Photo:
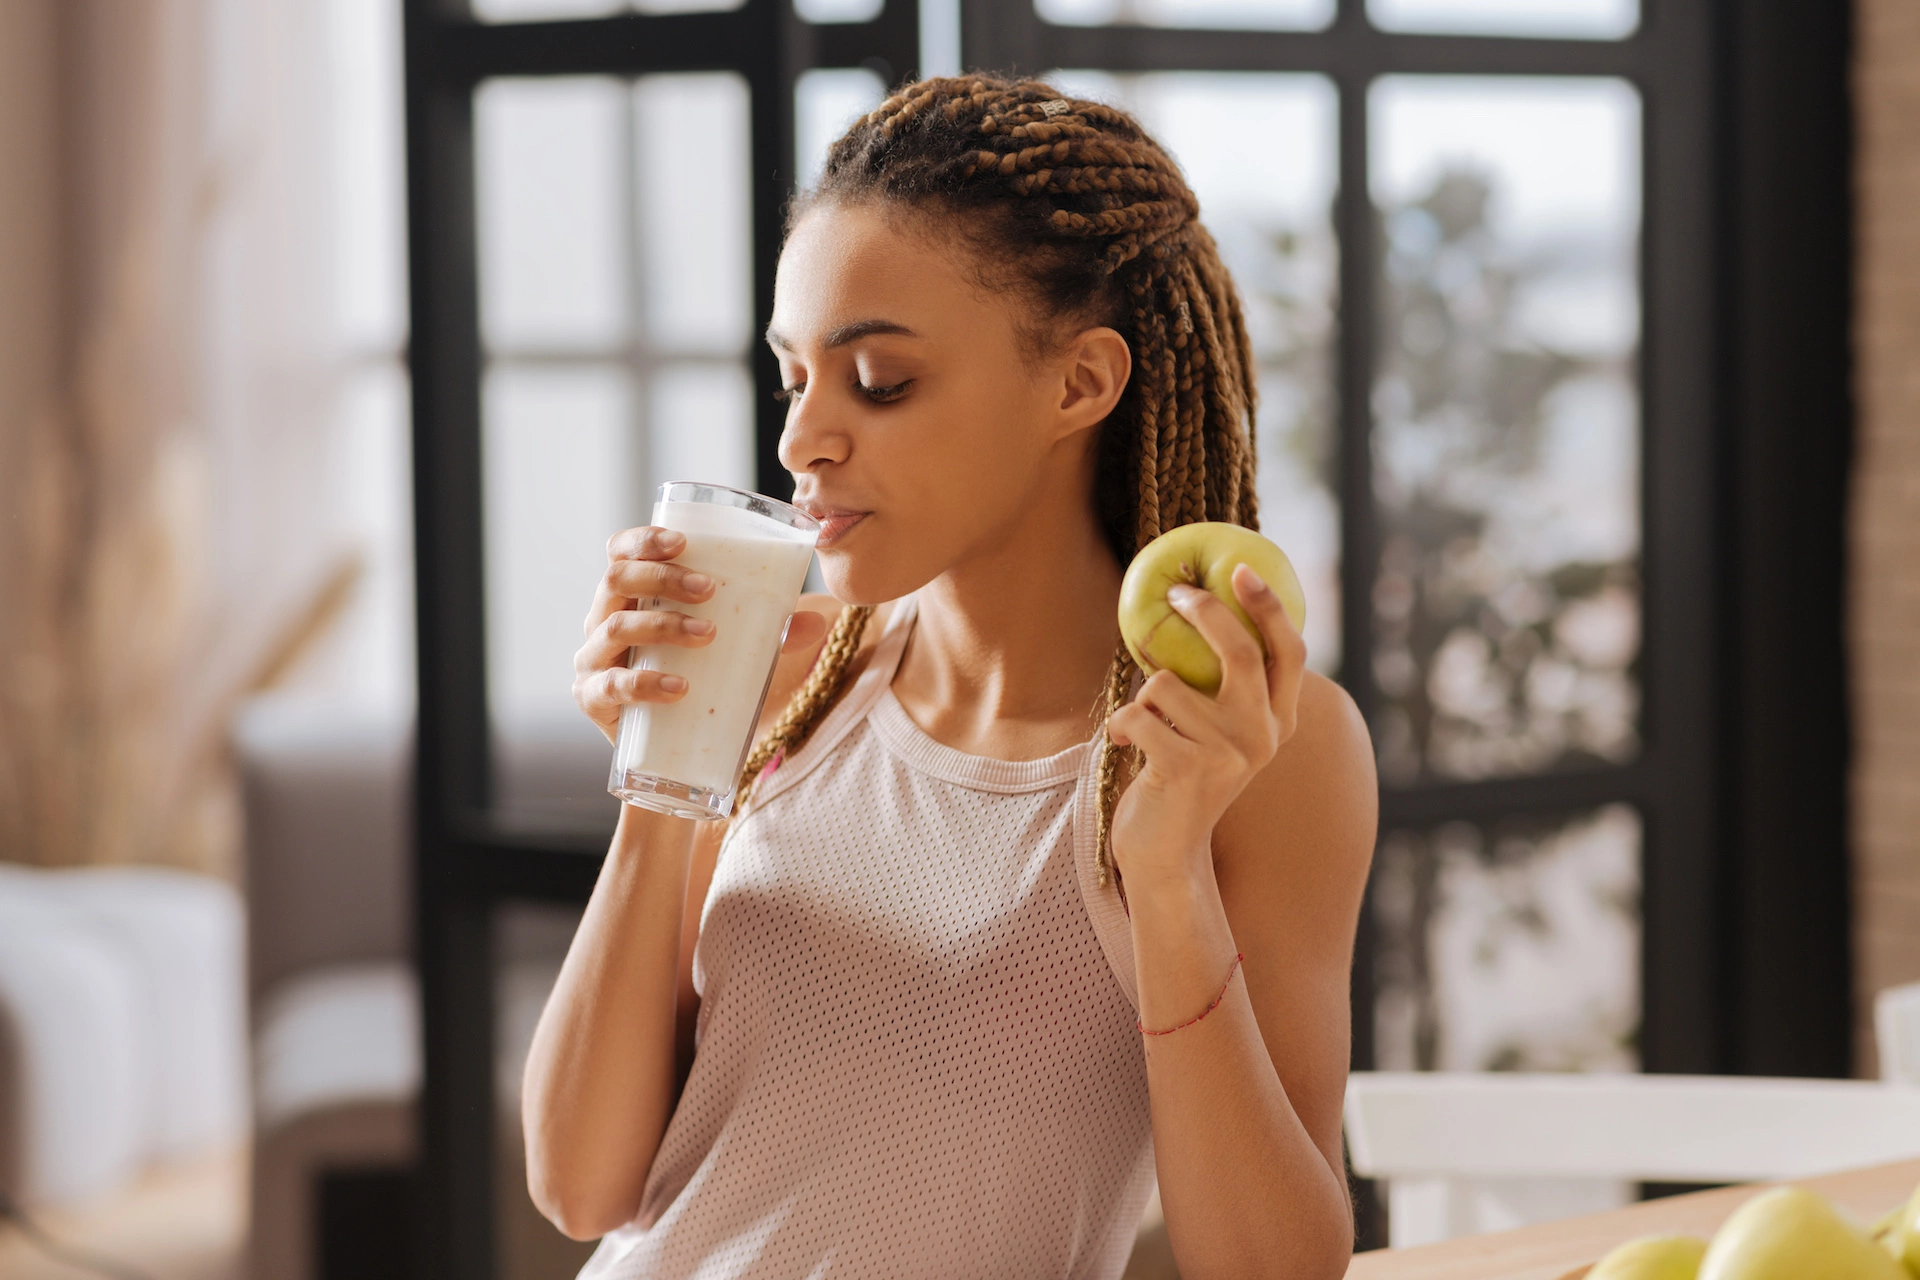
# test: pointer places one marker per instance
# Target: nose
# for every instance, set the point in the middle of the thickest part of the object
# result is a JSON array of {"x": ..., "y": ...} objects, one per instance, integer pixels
[{"x": 811, "y": 438}]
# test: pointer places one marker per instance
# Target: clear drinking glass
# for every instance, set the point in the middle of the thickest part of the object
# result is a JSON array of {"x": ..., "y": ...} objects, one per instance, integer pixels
[{"x": 685, "y": 757}]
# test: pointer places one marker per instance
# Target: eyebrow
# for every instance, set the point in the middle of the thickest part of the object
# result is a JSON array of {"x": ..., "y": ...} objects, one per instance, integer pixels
[{"x": 846, "y": 333}]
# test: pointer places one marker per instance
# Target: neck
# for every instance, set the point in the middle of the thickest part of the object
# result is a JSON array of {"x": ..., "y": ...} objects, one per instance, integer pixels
[{"x": 1010, "y": 653}]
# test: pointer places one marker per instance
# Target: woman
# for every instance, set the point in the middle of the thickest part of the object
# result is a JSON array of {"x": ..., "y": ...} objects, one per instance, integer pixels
[{"x": 962, "y": 980}]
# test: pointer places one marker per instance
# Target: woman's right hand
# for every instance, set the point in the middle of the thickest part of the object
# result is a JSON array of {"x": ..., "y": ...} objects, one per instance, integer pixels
[{"x": 639, "y": 567}]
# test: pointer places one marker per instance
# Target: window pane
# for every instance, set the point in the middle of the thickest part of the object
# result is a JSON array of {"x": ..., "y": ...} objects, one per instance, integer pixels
[
  {"x": 1588, "y": 19},
  {"x": 559, "y": 472},
  {"x": 552, "y": 202},
  {"x": 1511, "y": 948},
  {"x": 1506, "y": 438},
  {"x": 1259, "y": 150},
  {"x": 825, "y": 103},
  {"x": 550, "y": 10},
  {"x": 700, "y": 425},
  {"x": 838, "y": 10},
  {"x": 695, "y": 211},
  {"x": 1275, "y": 15},
  {"x": 542, "y": 10}
]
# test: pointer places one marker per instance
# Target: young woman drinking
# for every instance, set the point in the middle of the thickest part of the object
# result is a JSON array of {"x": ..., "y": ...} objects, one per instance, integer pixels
[{"x": 1002, "y": 930}]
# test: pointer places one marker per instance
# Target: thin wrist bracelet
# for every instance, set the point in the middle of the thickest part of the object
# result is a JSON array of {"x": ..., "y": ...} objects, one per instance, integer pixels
[{"x": 1231, "y": 969}]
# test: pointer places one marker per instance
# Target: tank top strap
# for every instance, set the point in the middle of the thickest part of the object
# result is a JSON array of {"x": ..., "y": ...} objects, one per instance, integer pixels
[
  {"x": 852, "y": 707},
  {"x": 1106, "y": 910}
]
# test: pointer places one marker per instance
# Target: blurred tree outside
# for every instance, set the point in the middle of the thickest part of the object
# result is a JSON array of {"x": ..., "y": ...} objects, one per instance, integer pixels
[{"x": 1500, "y": 649}]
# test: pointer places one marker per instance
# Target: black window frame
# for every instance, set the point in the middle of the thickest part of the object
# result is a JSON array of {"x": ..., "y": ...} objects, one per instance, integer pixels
[{"x": 1744, "y": 367}]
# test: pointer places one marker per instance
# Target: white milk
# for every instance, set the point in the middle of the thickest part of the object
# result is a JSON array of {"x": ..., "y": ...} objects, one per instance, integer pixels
[{"x": 758, "y": 566}]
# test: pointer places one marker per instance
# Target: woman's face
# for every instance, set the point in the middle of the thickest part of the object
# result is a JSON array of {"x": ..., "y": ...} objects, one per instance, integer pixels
[{"x": 919, "y": 431}]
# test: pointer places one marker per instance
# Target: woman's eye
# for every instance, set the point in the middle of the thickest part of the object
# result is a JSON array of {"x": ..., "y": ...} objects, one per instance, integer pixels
[
  {"x": 787, "y": 395},
  {"x": 881, "y": 395}
]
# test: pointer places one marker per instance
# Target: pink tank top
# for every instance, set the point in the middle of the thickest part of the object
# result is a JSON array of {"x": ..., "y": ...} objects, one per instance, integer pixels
[{"x": 916, "y": 1049}]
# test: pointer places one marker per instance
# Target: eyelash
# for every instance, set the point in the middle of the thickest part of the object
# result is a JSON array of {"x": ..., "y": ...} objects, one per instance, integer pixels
[{"x": 879, "y": 395}]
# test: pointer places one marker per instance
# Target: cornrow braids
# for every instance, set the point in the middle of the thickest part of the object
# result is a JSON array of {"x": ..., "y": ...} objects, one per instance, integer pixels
[
  {"x": 809, "y": 702},
  {"x": 1077, "y": 205}
]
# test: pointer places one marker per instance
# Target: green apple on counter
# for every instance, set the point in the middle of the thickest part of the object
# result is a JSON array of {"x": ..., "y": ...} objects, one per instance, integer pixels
[
  {"x": 1899, "y": 1233},
  {"x": 1201, "y": 555},
  {"x": 1652, "y": 1258},
  {"x": 1792, "y": 1234}
]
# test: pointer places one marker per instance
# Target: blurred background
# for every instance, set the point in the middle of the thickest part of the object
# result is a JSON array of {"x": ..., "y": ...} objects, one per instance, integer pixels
[{"x": 336, "y": 336}]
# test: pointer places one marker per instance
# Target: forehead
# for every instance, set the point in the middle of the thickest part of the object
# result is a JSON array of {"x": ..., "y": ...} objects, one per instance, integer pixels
[{"x": 850, "y": 263}]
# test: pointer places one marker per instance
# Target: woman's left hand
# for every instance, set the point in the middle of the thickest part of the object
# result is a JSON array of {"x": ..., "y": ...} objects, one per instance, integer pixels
[{"x": 1201, "y": 752}]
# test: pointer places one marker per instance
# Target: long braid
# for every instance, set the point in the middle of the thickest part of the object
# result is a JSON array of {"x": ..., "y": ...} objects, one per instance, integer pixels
[
  {"x": 1075, "y": 203},
  {"x": 809, "y": 702}
]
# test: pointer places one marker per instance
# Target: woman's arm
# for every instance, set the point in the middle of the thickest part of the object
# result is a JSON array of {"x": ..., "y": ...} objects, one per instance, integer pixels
[
  {"x": 615, "y": 1039},
  {"x": 1249, "y": 830}
]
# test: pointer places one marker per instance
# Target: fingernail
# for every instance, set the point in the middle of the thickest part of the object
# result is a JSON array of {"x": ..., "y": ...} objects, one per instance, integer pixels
[
  {"x": 1181, "y": 596},
  {"x": 697, "y": 582},
  {"x": 670, "y": 539},
  {"x": 672, "y": 684},
  {"x": 1260, "y": 586},
  {"x": 699, "y": 626}
]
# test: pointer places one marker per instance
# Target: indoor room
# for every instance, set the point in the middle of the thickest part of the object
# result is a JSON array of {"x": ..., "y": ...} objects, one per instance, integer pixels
[{"x": 895, "y": 389}]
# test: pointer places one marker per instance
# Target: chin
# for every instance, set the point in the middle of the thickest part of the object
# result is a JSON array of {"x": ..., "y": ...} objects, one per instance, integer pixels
[{"x": 852, "y": 578}]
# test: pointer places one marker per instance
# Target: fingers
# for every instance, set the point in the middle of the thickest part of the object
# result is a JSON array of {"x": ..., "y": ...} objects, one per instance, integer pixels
[
  {"x": 805, "y": 630},
  {"x": 1135, "y": 725},
  {"x": 1241, "y": 661},
  {"x": 607, "y": 646},
  {"x": 603, "y": 695},
  {"x": 648, "y": 542},
  {"x": 638, "y": 569},
  {"x": 1286, "y": 657}
]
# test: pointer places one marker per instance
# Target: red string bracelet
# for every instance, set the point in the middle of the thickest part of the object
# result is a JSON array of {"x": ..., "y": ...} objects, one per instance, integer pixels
[{"x": 1204, "y": 1012}]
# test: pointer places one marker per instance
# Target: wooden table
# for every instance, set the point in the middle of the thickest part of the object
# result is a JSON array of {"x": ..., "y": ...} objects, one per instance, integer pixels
[{"x": 1553, "y": 1250}]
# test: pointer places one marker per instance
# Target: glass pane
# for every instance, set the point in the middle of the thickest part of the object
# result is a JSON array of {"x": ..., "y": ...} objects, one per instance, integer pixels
[
  {"x": 838, "y": 10},
  {"x": 1260, "y": 152},
  {"x": 1511, "y": 948},
  {"x": 825, "y": 102},
  {"x": 366, "y": 175},
  {"x": 559, "y": 471},
  {"x": 551, "y": 10},
  {"x": 1506, "y": 437},
  {"x": 700, "y": 425},
  {"x": 1588, "y": 19},
  {"x": 529, "y": 944},
  {"x": 691, "y": 142},
  {"x": 542, "y": 10},
  {"x": 1263, "y": 15},
  {"x": 552, "y": 211}
]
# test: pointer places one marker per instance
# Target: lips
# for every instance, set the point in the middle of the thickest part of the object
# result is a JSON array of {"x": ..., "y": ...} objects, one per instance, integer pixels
[{"x": 834, "y": 521}]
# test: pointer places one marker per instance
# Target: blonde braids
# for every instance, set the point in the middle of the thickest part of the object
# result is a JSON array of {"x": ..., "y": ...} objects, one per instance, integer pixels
[{"x": 1078, "y": 205}]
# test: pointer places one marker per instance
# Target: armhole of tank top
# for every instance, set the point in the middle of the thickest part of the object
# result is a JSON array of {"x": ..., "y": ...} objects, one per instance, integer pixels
[
  {"x": 1105, "y": 911},
  {"x": 851, "y": 709}
]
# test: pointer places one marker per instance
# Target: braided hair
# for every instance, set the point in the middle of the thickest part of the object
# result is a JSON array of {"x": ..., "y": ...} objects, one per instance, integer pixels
[{"x": 1086, "y": 213}]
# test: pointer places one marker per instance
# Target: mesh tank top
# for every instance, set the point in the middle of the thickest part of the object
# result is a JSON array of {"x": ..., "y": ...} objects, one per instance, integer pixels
[{"x": 916, "y": 1044}]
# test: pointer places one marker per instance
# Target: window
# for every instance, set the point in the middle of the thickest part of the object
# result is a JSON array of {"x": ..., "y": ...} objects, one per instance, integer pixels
[{"x": 1512, "y": 429}]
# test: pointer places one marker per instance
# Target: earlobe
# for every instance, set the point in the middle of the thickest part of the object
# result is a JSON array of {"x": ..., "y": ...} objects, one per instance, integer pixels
[{"x": 1101, "y": 365}]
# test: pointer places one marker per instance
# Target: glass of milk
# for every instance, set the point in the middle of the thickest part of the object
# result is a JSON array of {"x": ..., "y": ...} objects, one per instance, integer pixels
[{"x": 685, "y": 757}]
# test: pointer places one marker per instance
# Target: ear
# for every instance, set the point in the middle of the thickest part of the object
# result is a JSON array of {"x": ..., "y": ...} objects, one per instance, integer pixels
[{"x": 1095, "y": 367}]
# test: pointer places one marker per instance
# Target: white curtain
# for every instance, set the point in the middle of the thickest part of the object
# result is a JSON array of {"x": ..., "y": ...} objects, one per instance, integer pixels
[{"x": 170, "y": 368}]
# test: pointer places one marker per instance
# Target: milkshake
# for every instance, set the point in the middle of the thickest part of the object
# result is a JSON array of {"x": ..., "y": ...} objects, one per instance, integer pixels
[{"x": 685, "y": 757}]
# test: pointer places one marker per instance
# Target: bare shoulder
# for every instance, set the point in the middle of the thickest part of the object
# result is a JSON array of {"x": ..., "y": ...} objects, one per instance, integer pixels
[{"x": 1306, "y": 824}]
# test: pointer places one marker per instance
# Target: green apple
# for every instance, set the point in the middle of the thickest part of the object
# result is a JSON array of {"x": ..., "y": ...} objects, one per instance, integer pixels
[
  {"x": 1899, "y": 1233},
  {"x": 1652, "y": 1258},
  {"x": 1202, "y": 555},
  {"x": 1792, "y": 1234}
]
